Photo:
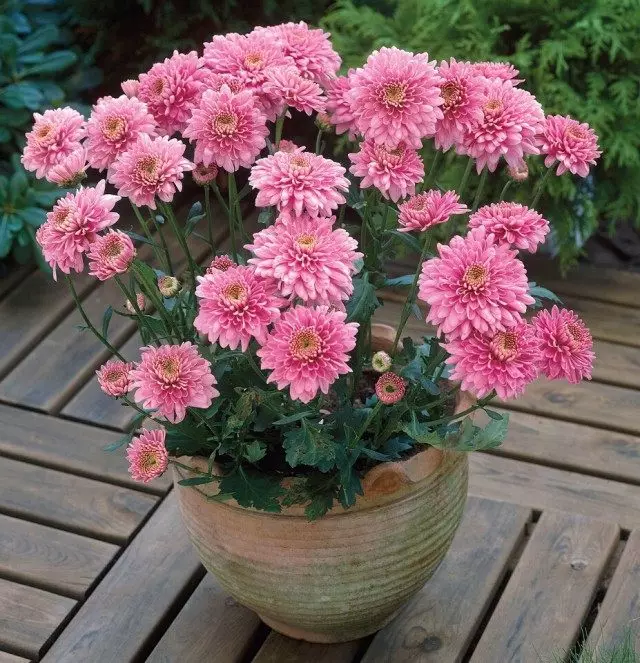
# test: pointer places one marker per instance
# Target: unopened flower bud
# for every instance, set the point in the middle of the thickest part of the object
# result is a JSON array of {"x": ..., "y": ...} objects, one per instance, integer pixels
[
  {"x": 323, "y": 122},
  {"x": 381, "y": 362},
  {"x": 204, "y": 175},
  {"x": 220, "y": 264},
  {"x": 169, "y": 286},
  {"x": 519, "y": 173},
  {"x": 390, "y": 388},
  {"x": 140, "y": 301}
]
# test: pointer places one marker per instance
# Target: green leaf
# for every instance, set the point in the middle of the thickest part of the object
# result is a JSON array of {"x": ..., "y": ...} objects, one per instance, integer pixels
[
  {"x": 294, "y": 417},
  {"x": 363, "y": 302},
  {"x": 40, "y": 38},
  {"x": 196, "y": 481},
  {"x": 421, "y": 432},
  {"x": 407, "y": 279},
  {"x": 310, "y": 445},
  {"x": 32, "y": 215},
  {"x": 106, "y": 319},
  {"x": 539, "y": 293},
  {"x": 113, "y": 446},
  {"x": 193, "y": 218},
  {"x": 266, "y": 216},
  {"x": 255, "y": 451},
  {"x": 494, "y": 415},
  {"x": 22, "y": 95},
  {"x": 139, "y": 238},
  {"x": 53, "y": 63},
  {"x": 474, "y": 438},
  {"x": 252, "y": 490},
  {"x": 350, "y": 488},
  {"x": 407, "y": 239},
  {"x": 319, "y": 505}
]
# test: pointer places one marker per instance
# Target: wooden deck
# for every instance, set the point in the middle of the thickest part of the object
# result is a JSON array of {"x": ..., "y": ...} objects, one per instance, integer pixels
[{"x": 96, "y": 569}]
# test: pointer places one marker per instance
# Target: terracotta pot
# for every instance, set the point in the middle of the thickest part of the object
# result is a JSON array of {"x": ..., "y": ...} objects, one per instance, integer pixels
[{"x": 347, "y": 574}]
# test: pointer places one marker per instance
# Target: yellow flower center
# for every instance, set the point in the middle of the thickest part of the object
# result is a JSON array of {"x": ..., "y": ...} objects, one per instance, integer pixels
[
  {"x": 235, "y": 293},
  {"x": 576, "y": 131},
  {"x": 158, "y": 86},
  {"x": 492, "y": 107},
  {"x": 61, "y": 220},
  {"x": 504, "y": 345},
  {"x": 394, "y": 94},
  {"x": 253, "y": 60},
  {"x": 114, "y": 128},
  {"x": 306, "y": 344},
  {"x": 148, "y": 461},
  {"x": 306, "y": 241},
  {"x": 147, "y": 169},
  {"x": 225, "y": 123},
  {"x": 476, "y": 276},
  {"x": 169, "y": 369},
  {"x": 451, "y": 94},
  {"x": 44, "y": 132},
  {"x": 113, "y": 247}
]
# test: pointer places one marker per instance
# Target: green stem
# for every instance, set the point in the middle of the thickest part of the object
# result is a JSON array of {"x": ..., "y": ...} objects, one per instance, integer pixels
[
  {"x": 154, "y": 296},
  {"x": 147, "y": 232},
  {"x": 505, "y": 188},
  {"x": 480, "y": 189},
  {"x": 207, "y": 212},
  {"x": 193, "y": 268},
  {"x": 278, "y": 135},
  {"x": 318, "y": 141},
  {"x": 232, "y": 216},
  {"x": 465, "y": 177},
  {"x": 433, "y": 171},
  {"x": 221, "y": 201},
  {"x": 256, "y": 369},
  {"x": 134, "y": 302},
  {"x": 364, "y": 333},
  {"x": 540, "y": 188},
  {"x": 135, "y": 406},
  {"x": 368, "y": 421},
  {"x": 478, "y": 406},
  {"x": 193, "y": 470},
  {"x": 165, "y": 247}
]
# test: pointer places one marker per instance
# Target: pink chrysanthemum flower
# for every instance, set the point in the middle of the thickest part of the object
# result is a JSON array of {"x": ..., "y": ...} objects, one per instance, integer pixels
[
  {"x": 229, "y": 129},
  {"x": 565, "y": 346},
  {"x": 429, "y": 209},
  {"x": 475, "y": 284},
  {"x": 506, "y": 361},
  {"x": 172, "y": 89},
  {"x": 172, "y": 378},
  {"x": 113, "y": 377},
  {"x": 307, "y": 258},
  {"x": 289, "y": 88},
  {"x": 461, "y": 92},
  {"x": 235, "y": 306},
  {"x": 110, "y": 254},
  {"x": 393, "y": 171},
  {"x": 390, "y": 388},
  {"x": 220, "y": 264},
  {"x": 497, "y": 71},
  {"x": 71, "y": 170},
  {"x": 299, "y": 182},
  {"x": 54, "y": 136},
  {"x": 150, "y": 167},
  {"x": 289, "y": 146},
  {"x": 512, "y": 224},
  {"x": 510, "y": 127},
  {"x": 338, "y": 106},
  {"x": 130, "y": 87},
  {"x": 114, "y": 126},
  {"x": 217, "y": 81},
  {"x": 147, "y": 455},
  {"x": 396, "y": 98},
  {"x": 204, "y": 175},
  {"x": 573, "y": 144},
  {"x": 307, "y": 350},
  {"x": 73, "y": 225}
]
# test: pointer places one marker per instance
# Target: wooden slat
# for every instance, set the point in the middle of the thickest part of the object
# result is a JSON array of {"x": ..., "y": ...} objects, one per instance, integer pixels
[
  {"x": 48, "y": 558},
  {"x": 125, "y": 609},
  {"x": 210, "y": 621},
  {"x": 540, "y": 487},
  {"x": 15, "y": 276},
  {"x": 28, "y": 617},
  {"x": 550, "y": 592},
  {"x": 619, "y": 615},
  {"x": 71, "y": 502},
  {"x": 10, "y": 658},
  {"x": 277, "y": 649},
  {"x": 438, "y": 625}
]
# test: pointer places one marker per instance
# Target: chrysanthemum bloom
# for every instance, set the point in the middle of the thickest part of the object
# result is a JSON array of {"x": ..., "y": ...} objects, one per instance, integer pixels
[
  {"x": 519, "y": 172},
  {"x": 172, "y": 378},
  {"x": 475, "y": 284},
  {"x": 396, "y": 98},
  {"x": 54, "y": 136},
  {"x": 288, "y": 88},
  {"x": 71, "y": 170},
  {"x": 130, "y": 87},
  {"x": 141, "y": 302},
  {"x": 289, "y": 146},
  {"x": 215, "y": 82},
  {"x": 73, "y": 225},
  {"x": 429, "y": 209},
  {"x": 339, "y": 107},
  {"x": 572, "y": 144},
  {"x": 235, "y": 306},
  {"x": 393, "y": 171},
  {"x": 497, "y": 71},
  {"x": 298, "y": 182},
  {"x": 169, "y": 286},
  {"x": 506, "y": 361},
  {"x": 220, "y": 264},
  {"x": 390, "y": 388},
  {"x": 150, "y": 167},
  {"x": 111, "y": 254},
  {"x": 307, "y": 350},
  {"x": 229, "y": 129},
  {"x": 510, "y": 127},
  {"x": 147, "y": 455},
  {"x": 114, "y": 126},
  {"x": 381, "y": 361},
  {"x": 204, "y": 175},
  {"x": 461, "y": 92},
  {"x": 512, "y": 224},
  {"x": 172, "y": 89},
  {"x": 565, "y": 346},
  {"x": 307, "y": 258},
  {"x": 113, "y": 377}
]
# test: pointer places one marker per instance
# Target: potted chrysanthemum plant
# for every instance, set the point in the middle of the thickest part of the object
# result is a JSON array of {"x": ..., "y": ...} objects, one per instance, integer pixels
[{"x": 319, "y": 460}]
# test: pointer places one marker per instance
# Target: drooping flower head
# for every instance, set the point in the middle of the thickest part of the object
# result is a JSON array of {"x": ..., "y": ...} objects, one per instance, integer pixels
[
  {"x": 113, "y": 377},
  {"x": 229, "y": 129},
  {"x": 475, "y": 284},
  {"x": 172, "y": 378},
  {"x": 111, "y": 254},
  {"x": 506, "y": 361},
  {"x": 220, "y": 263},
  {"x": 393, "y": 171},
  {"x": 69, "y": 172},
  {"x": 511, "y": 122},
  {"x": 115, "y": 125},
  {"x": 147, "y": 455},
  {"x": 396, "y": 98},
  {"x": 298, "y": 182},
  {"x": 172, "y": 89},
  {"x": 573, "y": 144},
  {"x": 203, "y": 175},
  {"x": 54, "y": 136},
  {"x": 461, "y": 92},
  {"x": 307, "y": 350},
  {"x": 73, "y": 225},
  {"x": 339, "y": 107},
  {"x": 381, "y": 361},
  {"x": 565, "y": 346},
  {"x": 150, "y": 167},
  {"x": 429, "y": 209},
  {"x": 307, "y": 258},
  {"x": 130, "y": 87},
  {"x": 288, "y": 88},
  {"x": 497, "y": 71},
  {"x": 390, "y": 388}
]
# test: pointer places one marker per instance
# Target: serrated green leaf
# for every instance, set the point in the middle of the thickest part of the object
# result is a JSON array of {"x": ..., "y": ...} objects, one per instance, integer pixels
[
  {"x": 363, "y": 302},
  {"x": 255, "y": 451},
  {"x": 310, "y": 445},
  {"x": 407, "y": 239},
  {"x": 294, "y": 417},
  {"x": 196, "y": 481},
  {"x": 252, "y": 490}
]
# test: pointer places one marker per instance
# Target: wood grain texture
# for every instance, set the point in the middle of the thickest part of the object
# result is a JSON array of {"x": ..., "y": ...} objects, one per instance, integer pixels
[
  {"x": 125, "y": 609},
  {"x": 82, "y": 505},
  {"x": 210, "y": 621},
  {"x": 439, "y": 623},
  {"x": 550, "y": 592},
  {"x": 28, "y": 617},
  {"x": 13, "y": 278},
  {"x": 540, "y": 487},
  {"x": 278, "y": 649},
  {"x": 48, "y": 558},
  {"x": 619, "y": 614},
  {"x": 10, "y": 658}
]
